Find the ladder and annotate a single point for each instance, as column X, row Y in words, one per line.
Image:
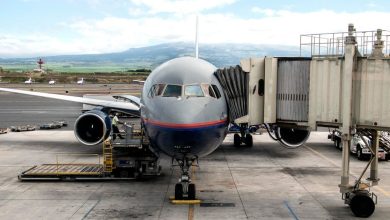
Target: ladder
column 107, row 156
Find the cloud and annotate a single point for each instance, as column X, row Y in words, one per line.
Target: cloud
column 180, row 6
column 265, row 11
column 372, row 5
column 112, row 34
column 36, row 44
column 136, row 11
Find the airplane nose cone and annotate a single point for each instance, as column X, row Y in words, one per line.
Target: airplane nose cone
column 186, row 110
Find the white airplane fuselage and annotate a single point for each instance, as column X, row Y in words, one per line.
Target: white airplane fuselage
column 183, row 114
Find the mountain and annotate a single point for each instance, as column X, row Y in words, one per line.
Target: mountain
column 221, row 55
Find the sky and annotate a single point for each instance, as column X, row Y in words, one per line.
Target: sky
column 30, row 28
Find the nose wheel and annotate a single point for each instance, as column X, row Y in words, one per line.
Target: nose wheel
column 185, row 190
column 179, row 191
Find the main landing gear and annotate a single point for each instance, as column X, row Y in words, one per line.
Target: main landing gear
column 185, row 189
column 244, row 137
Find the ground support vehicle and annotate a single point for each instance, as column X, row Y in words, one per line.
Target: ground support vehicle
column 359, row 144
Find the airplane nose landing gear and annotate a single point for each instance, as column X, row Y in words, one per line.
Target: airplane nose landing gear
column 185, row 189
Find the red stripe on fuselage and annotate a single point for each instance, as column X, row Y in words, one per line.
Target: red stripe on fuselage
column 190, row 125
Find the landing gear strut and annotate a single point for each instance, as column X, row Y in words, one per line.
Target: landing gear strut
column 185, row 189
column 243, row 137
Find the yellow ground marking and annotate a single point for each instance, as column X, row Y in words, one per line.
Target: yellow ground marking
column 190, row 203
column 191, row 212
column 387, row 194
column 191, row 207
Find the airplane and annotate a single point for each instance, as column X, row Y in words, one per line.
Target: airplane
column 29, row 81
column 117, row 98
column 52, row 82
column 139, row 81
column 81, row 81
column 184, row 113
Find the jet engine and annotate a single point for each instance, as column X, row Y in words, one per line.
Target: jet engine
column 292, row 137
column 92, row 127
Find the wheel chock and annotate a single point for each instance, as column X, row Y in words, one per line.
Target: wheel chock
column 184, row 201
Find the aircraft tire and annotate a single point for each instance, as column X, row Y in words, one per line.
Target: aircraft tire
column 191, row 191
column 178, row 191
column 249, row 140
column 237, row 140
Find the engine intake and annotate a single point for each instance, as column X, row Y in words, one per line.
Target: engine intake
column 292, row 137
column 92, row 127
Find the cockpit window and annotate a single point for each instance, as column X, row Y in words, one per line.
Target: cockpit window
column 208, row 90
column 156, row 90
column 172, row 91
column 193, row 90
column 160, row 89
column 217, row 93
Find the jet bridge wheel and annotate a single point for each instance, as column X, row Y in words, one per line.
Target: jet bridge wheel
column 361, row 204
column 178, row 191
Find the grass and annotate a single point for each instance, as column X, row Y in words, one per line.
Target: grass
column 76, row 67
column 91, row 75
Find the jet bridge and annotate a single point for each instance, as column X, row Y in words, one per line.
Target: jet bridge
column 342, row 84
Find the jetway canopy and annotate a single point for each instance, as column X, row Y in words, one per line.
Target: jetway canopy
column 234, row 82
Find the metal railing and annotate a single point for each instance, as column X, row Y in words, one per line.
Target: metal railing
column 332, row 44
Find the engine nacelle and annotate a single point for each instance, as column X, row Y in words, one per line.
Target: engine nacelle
column 292, row 137
column 92, row 127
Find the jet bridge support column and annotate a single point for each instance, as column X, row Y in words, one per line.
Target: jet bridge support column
column 347, row 108
column 356, row 196
column 374, row 165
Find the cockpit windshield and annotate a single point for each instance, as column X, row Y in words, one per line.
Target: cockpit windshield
column 172, row 91
column 193, row 90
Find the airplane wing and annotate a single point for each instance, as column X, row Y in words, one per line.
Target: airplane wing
column 120, row 106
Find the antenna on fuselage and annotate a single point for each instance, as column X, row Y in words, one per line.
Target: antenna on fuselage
column 196, row 40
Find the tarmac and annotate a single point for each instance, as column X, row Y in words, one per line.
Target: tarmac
column 266, row 181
